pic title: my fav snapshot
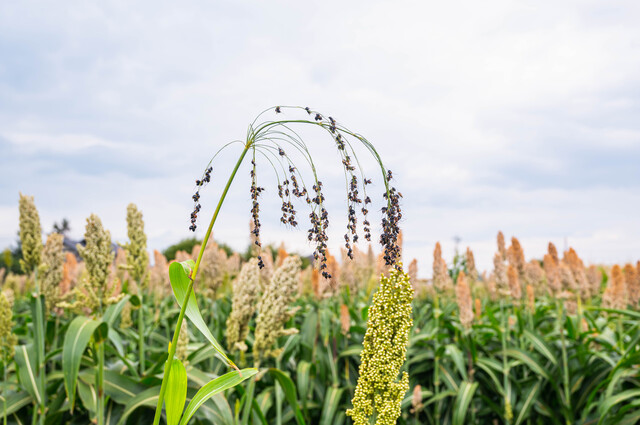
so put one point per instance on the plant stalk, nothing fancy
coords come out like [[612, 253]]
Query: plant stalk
[[436, 371], [176, 332], [100, 382], [141, 332], [40, 340]]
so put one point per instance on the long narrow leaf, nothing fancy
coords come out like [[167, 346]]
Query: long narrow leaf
[[27, 369], [461, 406], [176, 392], [179, 277], [290, 393], [214, 387], [75, 342]]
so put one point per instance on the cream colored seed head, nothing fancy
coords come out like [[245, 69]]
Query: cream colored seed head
[[246, 289], [30, 234], [137, 255], [94, 293], [378, 391], [273, 308], [52, 265]]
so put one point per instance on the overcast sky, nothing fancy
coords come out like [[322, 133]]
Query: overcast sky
[[497, 115]]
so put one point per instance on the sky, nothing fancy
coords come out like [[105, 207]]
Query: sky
[[496, 115]]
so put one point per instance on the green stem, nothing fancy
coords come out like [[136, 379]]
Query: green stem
[[176, 332], [278, 397], [436, 371], [40, 339], [565, 362], [4, 394], [505, 368], [141, 332], [100, 382]]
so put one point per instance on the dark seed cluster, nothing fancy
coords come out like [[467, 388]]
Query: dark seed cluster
[[390, 227], [196, 198], [255, 208], [318, 231]]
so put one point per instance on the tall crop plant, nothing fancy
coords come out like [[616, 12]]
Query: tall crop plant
[[270, 140]]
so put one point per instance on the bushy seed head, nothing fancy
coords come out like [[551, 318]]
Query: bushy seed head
[[632, 284], [553, 252], [615, 295], [500, 275], [378, 392], [534, 276], [246, 289], [30, 234], [182, 348], [8, 339], [442, 282], [502, 250], [137, 255], [515, 254], [463, 298], [52, 267], [94, 292], [553, 275], [515, 290], [472, 272], [345, 319], [273, 308]]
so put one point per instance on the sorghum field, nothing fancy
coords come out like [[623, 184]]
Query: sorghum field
[[101, 333]]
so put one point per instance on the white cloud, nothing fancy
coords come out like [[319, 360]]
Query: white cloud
[[519, 116]]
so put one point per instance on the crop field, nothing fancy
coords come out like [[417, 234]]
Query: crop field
[[109, 334], [532, 342]]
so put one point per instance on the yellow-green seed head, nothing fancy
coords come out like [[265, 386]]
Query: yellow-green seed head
[[30, 234], [94, 293], [8, 340], [51, 275], [379, 393], [137, 255]]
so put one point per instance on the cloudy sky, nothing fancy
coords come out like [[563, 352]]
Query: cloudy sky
[[496, 115]]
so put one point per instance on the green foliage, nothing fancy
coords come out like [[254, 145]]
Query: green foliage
[[317, 370]]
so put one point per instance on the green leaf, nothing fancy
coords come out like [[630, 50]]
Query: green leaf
[[25, 357], [214, 387], [461, 406], [88, 396], [290, 393], [16, 401], [148, 397], [179, 277], [529, 360], [540, 346], [119, 387], [529, 400], [75, 342], [114, 310], [456, 355], [304, 379], [331, 404], [610, 402], [176, 392]]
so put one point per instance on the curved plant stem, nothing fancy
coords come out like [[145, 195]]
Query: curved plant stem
[[176, 332]]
